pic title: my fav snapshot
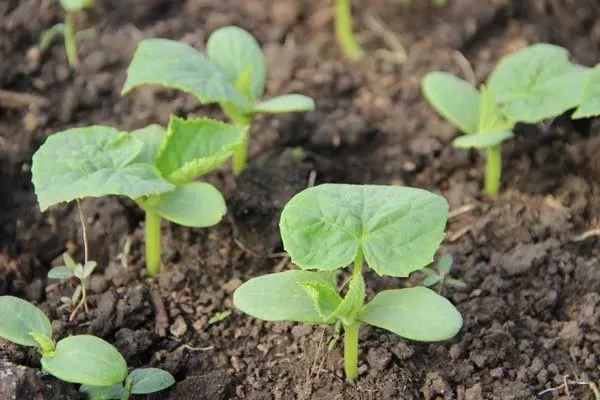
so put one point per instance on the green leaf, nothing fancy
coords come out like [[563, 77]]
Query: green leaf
[[445, 264], [103, 392], [537, 83], [19, 319], [431, 280], [45, 344], [179, 66], [88, 268], [398, 228], [589, 105], [92, 162], [416, 313], [149, 380], [152, 137], [69, 263], [219, 316], [61, 273], [482, 141], [88, 360], [286, 103], [237, 53], [326, 298], [282, 297], [354, 299], [76, 5], [491, 118], [194, 204], [195, 147], [454, 99], [456, 283]]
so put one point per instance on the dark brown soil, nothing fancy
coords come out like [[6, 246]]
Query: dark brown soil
[[532, 305]]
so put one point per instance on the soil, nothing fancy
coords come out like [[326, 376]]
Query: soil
[[532, 305]]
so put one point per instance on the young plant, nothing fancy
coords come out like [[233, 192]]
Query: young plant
[[153, 166], [82, 273], [232, 73], [442, 276], [343, 31], [395, 230], [83, 359], [526, 87], [139, 381], [66, 30]]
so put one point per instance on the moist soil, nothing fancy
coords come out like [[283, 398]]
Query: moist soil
[[529, 257]]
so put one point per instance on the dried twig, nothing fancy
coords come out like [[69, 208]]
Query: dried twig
[[10, 99]]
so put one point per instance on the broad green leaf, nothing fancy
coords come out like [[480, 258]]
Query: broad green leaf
[[326, 298], [61, 272], [237, 53], [195, 204], [398, 228], [454, 99], [19, 319], [152, 137], [179, 66], [445, 264], [149, 380], [195, 147], [482, 141], [416, 313], [103, 392], [537, 83], [76, 5], [92, 162], [286, 103], [281, 297], [88, 360], [491, 118], [589, 105]]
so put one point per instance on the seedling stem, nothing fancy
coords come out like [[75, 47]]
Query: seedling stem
[[152, 243], [493, 170], [70, 42], [351, 331], [343, 30]]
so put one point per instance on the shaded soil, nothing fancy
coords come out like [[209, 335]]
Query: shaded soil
[[532, 305]]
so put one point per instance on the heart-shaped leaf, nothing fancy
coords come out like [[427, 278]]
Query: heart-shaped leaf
[[178, 66], [195, 147], [398, 228], [91, 162], [416, 313], [88, 360], [286, 103], [149, 380], [19, 319], [589, 105]]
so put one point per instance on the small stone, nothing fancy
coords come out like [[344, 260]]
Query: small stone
[[474, 392], [179, 327], [232, 285], [378, 358], [362, 369], [299, 331], [571, 333], [30, 122]]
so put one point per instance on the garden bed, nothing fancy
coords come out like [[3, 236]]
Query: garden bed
[[532, 305]]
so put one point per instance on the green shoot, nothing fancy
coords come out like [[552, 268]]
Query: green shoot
[[83, 359], [155, 167], [219, 316], [343, 31], [394, 230], [139, 381], [66, 30], [529, 86], [232, 74], [442, 277]]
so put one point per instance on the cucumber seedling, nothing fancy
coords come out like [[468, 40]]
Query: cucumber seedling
[[442, 277], [233, 74], [139, 381], [83, 359], [67, 30], [154, 166], [395, 230], [529, 86]]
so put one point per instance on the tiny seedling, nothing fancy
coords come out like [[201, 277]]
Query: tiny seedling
[[154, 166], [442, 276], [83, 359], [74, 270], [233, 74], [67, 30], [219, 316], [343, 31], [395, 230], [529, 86], [139, 381]]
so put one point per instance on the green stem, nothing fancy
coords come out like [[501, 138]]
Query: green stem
[[70, 42], [152, 243], [240, 153], [351, 350], [343, 30], [493, 170]]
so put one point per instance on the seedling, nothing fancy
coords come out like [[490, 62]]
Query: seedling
[[74, 270], [153, 166], [67, 30], [395, 230], [343, 31], [442, 276], [232, 73], [139, 381], [528, 87], [83, 359]]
